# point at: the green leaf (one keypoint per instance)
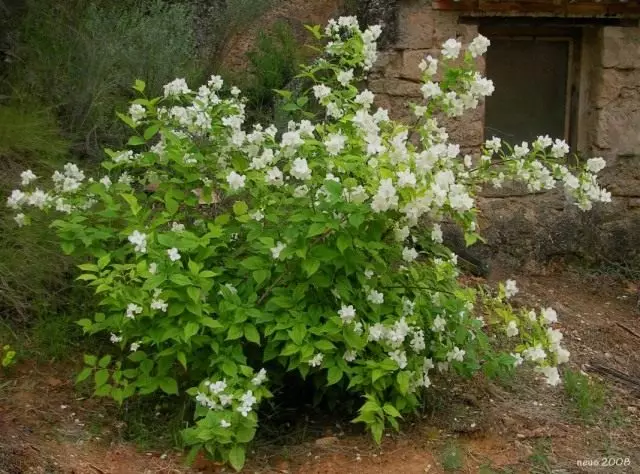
(298, 333)
(171, 204)
(261, 275)
(237, 457)
(403, 379)
(290, 349)
(324, 345)
(151, 131)
(376, 431)
(139, 85)
(89, 267)
(132, 201)
(254, 263)
(180, 280)
(310, 266)
(136, 140)
(356, 220)
(190, 330)
(194, 294)
(211, 323)
(68, 247)
(104, 261)
(101, 377)
(235, 332)
(334, 375)
(84, 373)
(316, 228)
(169, 386)
(344, 242)
(90, 360)
(182, 358)
(251, 333)
(229, 368)
(391, 411)
(104, 362)
(240, 208)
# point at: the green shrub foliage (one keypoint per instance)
(224, 257)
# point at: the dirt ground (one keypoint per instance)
(514, 426)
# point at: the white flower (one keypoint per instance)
(429, 65)
(259, 378)
(401, 233)
(562, 355)
(300, 169)
(430, 89)
(335, 143)
(349, 356)
(368, 273)
(345, 77)
(316, 360)
(551, 373)
(16, 199)
(321, 91)
(406, 179)
(510, 288)
(115, 339)
(375, 297)
(173, 254)
(559, 148)
(275, 251)
(106, 181)
(275, 176)
(418, 343)
(217, 387)
(132, 310)
(534, 354)
(176, 87)
(365, 98)
(409, 254)
(159, 304)
(549, 315)
(177, 227)
(28, 177)
(236, 181)
(595, 165)
(479, 46)
(456, 354)
(137, 113)
(451, 48)
(347, 313)
(225, 424)
(522, 150)
(153, 268)
(38, 199)
(135, 346)
(235, 91)
(518, 359)
(494, 145)
(139, 240)
(257, 215)
(532, 316)
(439, 324)
(436, 234)
(20, 219)
(301, 191)
(400, 357)
(334, 110)
(512, 329)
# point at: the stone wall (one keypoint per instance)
(525, 229)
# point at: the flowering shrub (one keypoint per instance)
(223, 257)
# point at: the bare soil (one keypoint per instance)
(518, 425)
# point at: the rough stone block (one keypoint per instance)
(620, 47)
(415, 25)
(395, 87)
